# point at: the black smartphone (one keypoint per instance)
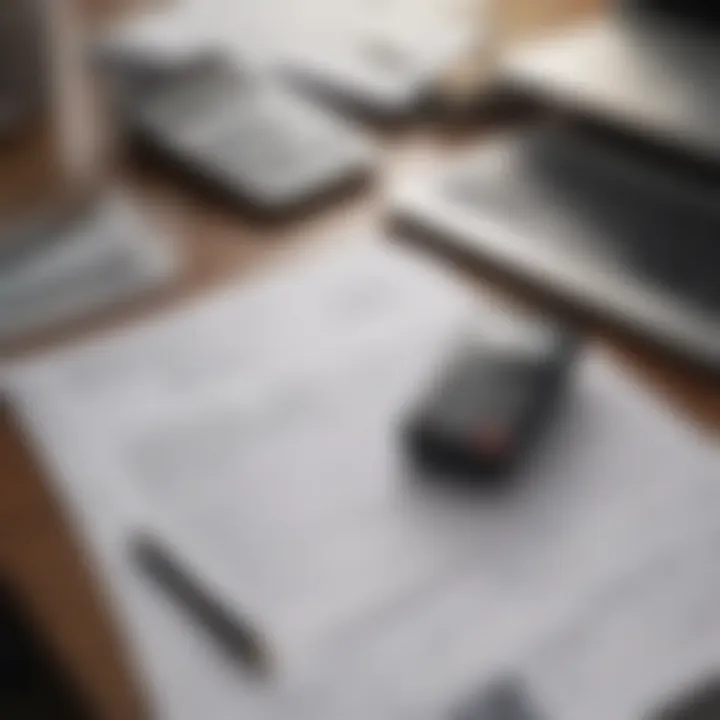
(33, 683)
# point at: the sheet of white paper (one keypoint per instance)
(647, 638)
(268, 458)
(263, 32)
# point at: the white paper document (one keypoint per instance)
(257, 432)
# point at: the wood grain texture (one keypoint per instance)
(42, 559)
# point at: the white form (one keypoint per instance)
(256, 433)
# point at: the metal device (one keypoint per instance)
(581, 220)
(649, 69)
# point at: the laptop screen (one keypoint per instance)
(706, 12)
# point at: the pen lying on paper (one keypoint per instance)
(236, 639)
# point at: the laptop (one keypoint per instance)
(585, 221)
(624, 234)
(649, 67)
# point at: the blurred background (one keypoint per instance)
(560, 155)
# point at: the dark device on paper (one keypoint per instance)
(32, 684)
(493, 401)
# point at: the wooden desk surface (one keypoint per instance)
(39, 551)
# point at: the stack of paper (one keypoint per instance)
(256, 435)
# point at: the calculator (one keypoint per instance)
(251, 139)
